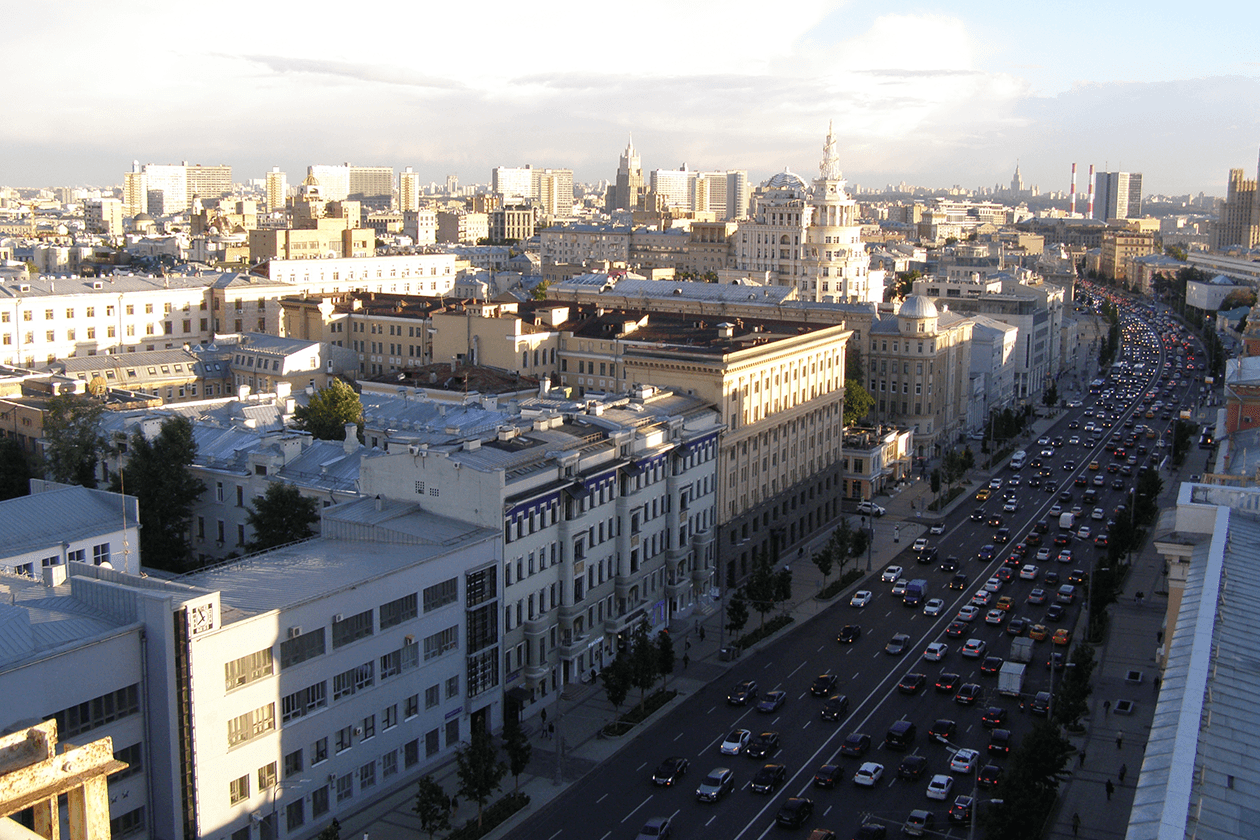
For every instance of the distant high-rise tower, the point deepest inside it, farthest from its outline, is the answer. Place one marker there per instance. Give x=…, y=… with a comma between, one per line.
x=372, y=186
x=737, y=194
x=674, y=186
x=1118, y=195
x=334, y=181
x=408, y=191
x=1017, y=182
x=277, y=189
x=627, y=193
x=1239, y=220
x=135, y=191
x=513, y=184
x=452, y=185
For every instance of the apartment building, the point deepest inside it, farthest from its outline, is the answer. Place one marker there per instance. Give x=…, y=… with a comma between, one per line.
x=1120, y=248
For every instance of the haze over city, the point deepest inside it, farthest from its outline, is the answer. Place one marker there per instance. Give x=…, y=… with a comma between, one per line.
x=935, y=94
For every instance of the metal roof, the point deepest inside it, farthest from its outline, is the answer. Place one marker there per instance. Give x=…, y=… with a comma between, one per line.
x=63, y=514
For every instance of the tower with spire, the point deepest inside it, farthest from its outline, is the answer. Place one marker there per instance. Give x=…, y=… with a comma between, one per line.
x=836, y=262
x=627, y=192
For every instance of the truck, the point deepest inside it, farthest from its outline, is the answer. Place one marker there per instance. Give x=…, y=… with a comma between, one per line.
x=1018, y=459
x=1021, y=649
x=916, y=591
x=1011, y=678
x=1067, y=521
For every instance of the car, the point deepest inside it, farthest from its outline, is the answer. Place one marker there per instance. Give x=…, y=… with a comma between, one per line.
x=986, y=553
x=919, y=823
x=1005, y=574
x=769, y=777
x=657, y=828
x=869, y=830
x=956, y=628
x=892, y=574
x=1004, y=603
x=968, y=613
x=736, y=742
x=937, y=528
x=1043, y=441
x=794, y=812
x=989, y=776
x=958, y=581
x=742, y=694
x=1056, y=661
x=1055, y=612
x=869, y=774
x=1037, y=596
x=870, y=509
x=719, y=782
x=670, y=771
x=1077, y=576
x=1099, y=480
x=964, y=761
x=899, y=588
x=1101, y=541
x=1010, y=506
x=940, y=786
x=936, y=651
x=1084, y=532
x=968, y=694
x=1118, y=484
x=763, y=746
x=897, y=644
x=1062, y=636
x=960, y=810
x=974, y=648
x=1000, y=742
x=978, y=515
x=823, y=685
x=1098, y=514
x=1028, y=572
x=943, y=730
x=827, y=776
x=1002, y=536
x=849, y=634
x=911, y=683
x=1056, y=509
x=1016, y=626
x=929, y=555
x=1044, y=553
x=947, y=682
x=1063, y=538
x=950, y=564
x=920, y=544
x=1040, y=704
x=772, y=701
x=981, y=598
x=983, y=494
x=1017, y=553
x=1038, y=632
x=933, y=606
x=1051, y=576
x=836, y=707
x=991, y=665
x=995, y=483
x=912, y=767
x=994, y=616
x=860, y=598
x=993, y=717
x=856, y=745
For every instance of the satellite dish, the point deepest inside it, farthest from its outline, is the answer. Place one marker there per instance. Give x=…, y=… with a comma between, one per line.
x=105, y=564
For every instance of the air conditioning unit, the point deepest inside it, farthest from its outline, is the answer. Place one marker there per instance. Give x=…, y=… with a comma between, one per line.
x=336, y=618
x=294, y=632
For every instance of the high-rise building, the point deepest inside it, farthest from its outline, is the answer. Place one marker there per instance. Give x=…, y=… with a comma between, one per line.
x=736, y=194
x=553, y=191
x=1118, y=195
x=372, y=186
x=167, y=188
x=135, y=191
x=408, y=191
x=277, y=189
x=208, y=182
x=103, y=216
x=627, y=191
x=1238, y=223
x=334, y=181
x=674, y=187
x=513, y=184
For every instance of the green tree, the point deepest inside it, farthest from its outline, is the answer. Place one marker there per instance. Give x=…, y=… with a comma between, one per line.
x=1074, y=689
x=518, y=749
x=968, y=458
x=329, y=410
x=903, y=286
x=616, y=679
x=15, y=470
x=665, y=654
x=280, y=516
x=1051, y=396
x=479, y=770
x=644, y=661
x=1146, y=499
x=936, y=480
x=763, y=589
x=539, y=292
x=1183, y=432
x=1032, y=780
x=433, y=807
x=858, y=543
x=72, y=438
x=834, y=551
x=332, y=831
x=157, y=474
x=736, y=612
x=858, y=401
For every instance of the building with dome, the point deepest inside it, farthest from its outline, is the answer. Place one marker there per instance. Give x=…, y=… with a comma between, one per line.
x=918, y=370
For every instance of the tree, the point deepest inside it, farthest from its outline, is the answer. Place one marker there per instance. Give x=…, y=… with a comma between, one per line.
x=479, y=769
x=15, y=470
x=644, y=661
x=332, y=831
x=280, y=516
x=157, y=474
x=1033, y=776
x=834, y=551
x=1073, y=694
x=539, y=292
x=1146, y=499
x=616, y=679
x=903, y=286
x=665, y=654
x=517, y=747
x=433, y=807
x=329, y=410
x=72, y=438
x=736, y=612
x=936, y=480
x=858, y=402
x=763, y=589
x=1051, y=397
x=1183, y=430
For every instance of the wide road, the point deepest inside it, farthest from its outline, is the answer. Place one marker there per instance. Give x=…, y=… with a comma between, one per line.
x=617, y=799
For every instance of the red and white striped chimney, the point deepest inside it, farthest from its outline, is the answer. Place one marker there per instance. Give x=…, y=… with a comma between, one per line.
x=1072, y=202
x=1090, y=213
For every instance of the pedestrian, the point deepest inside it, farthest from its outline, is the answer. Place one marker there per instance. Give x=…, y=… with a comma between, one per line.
x=1159, y=636
x=1076, y=824
x=551, y=730
x=686, y=661
x=542, y=716
x=1124, y=771
x=1080, y=759
x=687, y=644
x=1106, y=707
x=1119, y=740
x=702, y=632
x=1110, y=789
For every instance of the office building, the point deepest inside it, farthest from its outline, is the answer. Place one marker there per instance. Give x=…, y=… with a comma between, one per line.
x=1238, y=222
x=135, y=191
x=553, y=192
x=1118, y=195
x=675, y=187
x=166, y=188
x=277, y=189
x=334, y=181
x=103, y=216
x=209, y=183
x=513, y=184
x=408, y=191
x=372, y=186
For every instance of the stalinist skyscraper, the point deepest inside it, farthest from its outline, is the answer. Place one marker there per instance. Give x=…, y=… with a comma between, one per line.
x=835, y=256
x=628, y=192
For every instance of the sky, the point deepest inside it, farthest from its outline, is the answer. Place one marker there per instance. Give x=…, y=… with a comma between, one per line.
x=927, y=93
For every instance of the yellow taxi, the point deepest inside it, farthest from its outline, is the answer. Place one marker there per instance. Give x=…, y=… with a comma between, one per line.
x=983, y=494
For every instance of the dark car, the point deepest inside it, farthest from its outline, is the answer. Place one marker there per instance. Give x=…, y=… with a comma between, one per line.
x=871, y=831
x=823, y=685
x=912, y=683
x=930, y=555
x=977, y=515
x=958, y=581
x=772, y=701
x=897, y=644
x=764, y=745
x=1040, y=704
x=943, y=730
x=950, y=564
x=968, y=694
x=849, y=634
x=827, y=776
x=1055, y=612
x=795, y=812
x=956, y=628
x=960, y=811
x=1000, y=741
x=856, y=745
x=947, y=682
x=993, y=717
x=1002, y=535
x=986, y=553
x=670, y=771
x=989, y=776
x=836, y=707
x=717, y=784
x=768, y=778
x=991, y=665
x=1016, y=626
x=743, y=694
x=912, y=767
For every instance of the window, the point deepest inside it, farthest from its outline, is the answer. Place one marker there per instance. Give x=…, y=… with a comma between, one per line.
x=295, y=814
x=127, y=824
x=301, y=703
x=441, y=642
x=441, y=594
x=389, y=763
x=99, y=711
x=319, y=801
x=403, y=609
x=266, y=776
x=432, y=696
x=345, y=738
x=247, y=669
x=319, y=751
x=100, y=554
x=389, y=717
x=369, y=727
x=452, y=687
x=238, y=789
x=412, y=707
x=302, y=647
x=134, y=758
x=247, y=727
x=351, y=629
x=452, y=732
x=411, y=753
x=218, y=491
x=367, y=775
x=432, y=743
x=356, y=679
x=345, y=787
x=293, y=763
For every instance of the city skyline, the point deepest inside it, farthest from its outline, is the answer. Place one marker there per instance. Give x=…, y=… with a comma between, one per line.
x=934, y=95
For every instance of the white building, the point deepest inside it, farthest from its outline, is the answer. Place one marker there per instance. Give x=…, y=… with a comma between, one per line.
x=277, y=189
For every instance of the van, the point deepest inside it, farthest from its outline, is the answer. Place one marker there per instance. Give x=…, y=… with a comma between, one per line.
x=901, y=736
x=1066, y=594
x=916, y=591
x=1018, y=459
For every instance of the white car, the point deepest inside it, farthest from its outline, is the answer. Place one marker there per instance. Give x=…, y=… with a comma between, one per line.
x=964, y=761
x=1011, y=506
x=1015, y=480
x=995, y=484
x=868, y=774
x=940, y=786
x=860, y=598
x=1043, y=553
x=899, y=588
x=974, y=649
x=934, y=606
x=1084, y=532
x=1028, y=572
x=734, y=743
x=968, y=613
x=1098, y=514
x=892, y=574
x=1074, y=404
x=994, y=616
x=870, y=508
x=936, y=651
x=993, y=584
x=937, y=528
x=920, y=544
x=981, y=598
